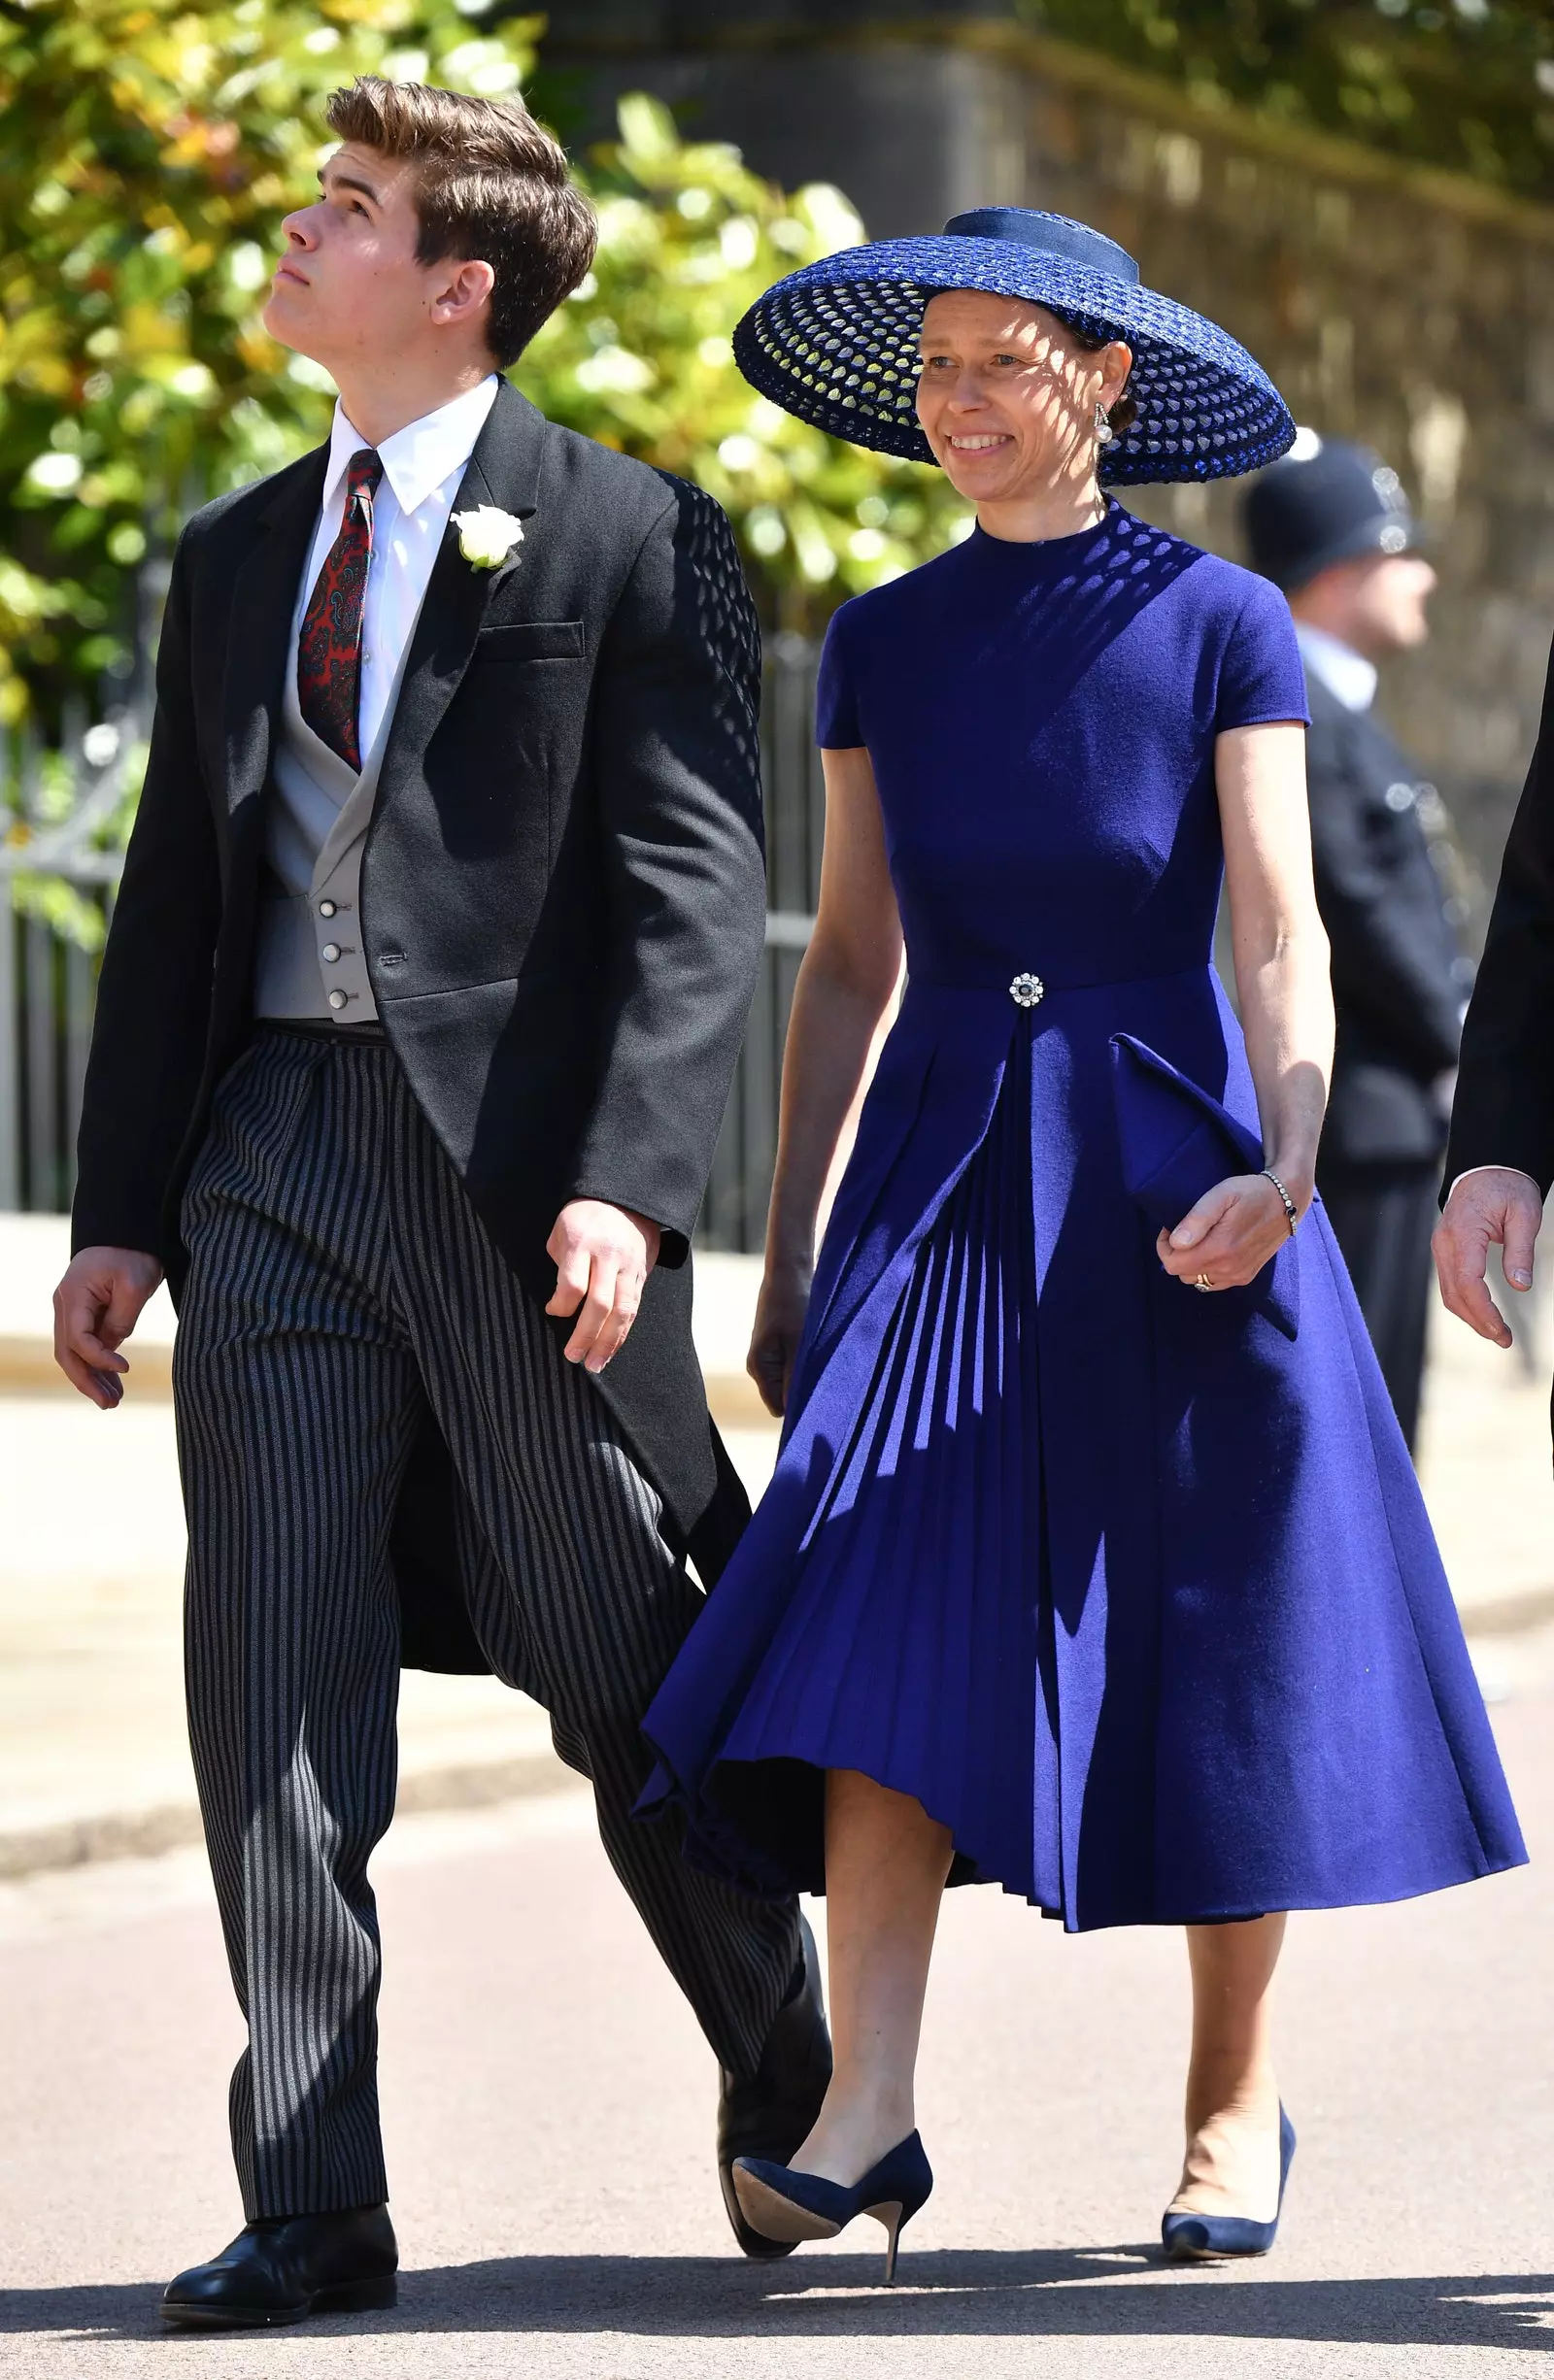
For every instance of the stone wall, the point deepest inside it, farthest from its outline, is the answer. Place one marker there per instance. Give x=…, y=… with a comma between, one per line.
x=1411, y=310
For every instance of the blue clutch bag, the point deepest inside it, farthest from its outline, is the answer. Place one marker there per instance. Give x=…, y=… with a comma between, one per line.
x=1176, y=1142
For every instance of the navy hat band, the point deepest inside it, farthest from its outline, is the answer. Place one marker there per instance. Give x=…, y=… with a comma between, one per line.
x=1052, y=235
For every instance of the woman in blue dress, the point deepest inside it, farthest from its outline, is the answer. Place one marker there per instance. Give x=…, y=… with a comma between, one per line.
x=1093, y=1563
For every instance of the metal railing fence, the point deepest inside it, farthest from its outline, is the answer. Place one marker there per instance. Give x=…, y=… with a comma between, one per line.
x=62, y=813
x=59, y=865
x=734, y=1216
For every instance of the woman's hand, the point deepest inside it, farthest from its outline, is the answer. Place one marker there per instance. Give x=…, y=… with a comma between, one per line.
x=1234, y=1229
x=780, y=1312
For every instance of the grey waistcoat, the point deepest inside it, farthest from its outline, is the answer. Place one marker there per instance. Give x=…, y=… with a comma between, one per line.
x=309, y=960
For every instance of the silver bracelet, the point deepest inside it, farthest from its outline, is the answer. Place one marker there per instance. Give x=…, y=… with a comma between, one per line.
x=1292, y=1213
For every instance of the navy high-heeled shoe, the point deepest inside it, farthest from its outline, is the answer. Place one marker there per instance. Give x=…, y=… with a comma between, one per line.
x=787, y=2205
x=1193, y=2235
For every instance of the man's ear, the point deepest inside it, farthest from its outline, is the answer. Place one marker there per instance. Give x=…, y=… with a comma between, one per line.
x=464, y=291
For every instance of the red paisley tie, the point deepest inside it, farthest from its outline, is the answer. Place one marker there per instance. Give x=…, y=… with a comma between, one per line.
x=329, y=648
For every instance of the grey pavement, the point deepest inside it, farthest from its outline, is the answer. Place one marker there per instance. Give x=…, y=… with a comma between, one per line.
x=547, y=2110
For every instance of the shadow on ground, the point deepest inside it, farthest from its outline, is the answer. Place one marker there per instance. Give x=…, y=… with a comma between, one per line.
x=1116, y=2293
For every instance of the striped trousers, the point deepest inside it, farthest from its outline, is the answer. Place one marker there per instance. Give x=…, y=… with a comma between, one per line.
x=341, y=1282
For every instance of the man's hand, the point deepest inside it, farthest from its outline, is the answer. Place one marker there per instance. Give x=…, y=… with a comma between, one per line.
x=96, y=1306
x=1495, y=1203
x=602, y=1255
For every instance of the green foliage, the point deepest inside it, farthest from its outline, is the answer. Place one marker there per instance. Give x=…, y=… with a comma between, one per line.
x=148, y=151
x=641, y=359
x=1467, y=84
x=70, y=915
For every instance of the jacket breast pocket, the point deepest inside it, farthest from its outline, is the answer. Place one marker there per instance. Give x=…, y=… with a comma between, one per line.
x=532, y=640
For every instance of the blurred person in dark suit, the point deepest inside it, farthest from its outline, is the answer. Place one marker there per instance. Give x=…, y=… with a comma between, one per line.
x=1331, y=526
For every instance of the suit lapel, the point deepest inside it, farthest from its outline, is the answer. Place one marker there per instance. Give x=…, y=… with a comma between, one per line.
x=504, y=470
x=264, y=598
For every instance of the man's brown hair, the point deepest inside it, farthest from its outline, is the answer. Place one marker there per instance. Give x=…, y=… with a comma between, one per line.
x=490, y=182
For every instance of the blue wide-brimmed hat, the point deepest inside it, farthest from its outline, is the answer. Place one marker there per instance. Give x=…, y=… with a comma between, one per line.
x=836, y=342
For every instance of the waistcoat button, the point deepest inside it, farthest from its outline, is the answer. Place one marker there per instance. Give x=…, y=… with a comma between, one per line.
x=337, y=1000
x=326, y=909
x=331, y=951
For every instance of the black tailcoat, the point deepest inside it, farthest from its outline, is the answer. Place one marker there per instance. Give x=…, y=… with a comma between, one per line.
x=563, y=903
x=1395, y=960
x=1504, y=1112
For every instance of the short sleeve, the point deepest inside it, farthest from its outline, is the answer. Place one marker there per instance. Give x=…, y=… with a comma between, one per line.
x=837, y=727
x=1262, y=677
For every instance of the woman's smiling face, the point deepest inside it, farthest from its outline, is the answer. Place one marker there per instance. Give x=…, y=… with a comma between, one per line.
x=1006, y=395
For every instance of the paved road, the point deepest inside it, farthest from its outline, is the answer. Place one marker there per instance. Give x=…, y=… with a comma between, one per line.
x=548, y=2112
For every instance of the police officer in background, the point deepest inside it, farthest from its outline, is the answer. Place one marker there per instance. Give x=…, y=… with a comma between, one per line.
x=1331, y=526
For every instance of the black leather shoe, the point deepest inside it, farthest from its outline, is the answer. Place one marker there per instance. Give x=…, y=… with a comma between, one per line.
x=287, y=2267
x=777, y=2105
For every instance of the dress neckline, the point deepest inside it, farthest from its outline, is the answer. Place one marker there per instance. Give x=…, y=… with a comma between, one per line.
x=1058, y=553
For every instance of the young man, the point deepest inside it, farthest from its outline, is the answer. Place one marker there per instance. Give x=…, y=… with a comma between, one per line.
x=1330, y=525
x=425, y=984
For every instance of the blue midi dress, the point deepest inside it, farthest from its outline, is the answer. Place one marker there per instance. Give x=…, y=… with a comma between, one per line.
x=1133, y=1588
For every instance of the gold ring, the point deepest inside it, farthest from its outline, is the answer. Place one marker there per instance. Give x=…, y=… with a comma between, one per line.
x=1202, y=1282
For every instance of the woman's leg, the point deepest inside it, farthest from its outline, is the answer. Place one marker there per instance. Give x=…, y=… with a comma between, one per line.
x=886, y=1862
x=1233, y=2099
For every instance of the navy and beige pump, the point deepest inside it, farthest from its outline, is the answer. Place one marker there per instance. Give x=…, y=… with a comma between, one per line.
x=1188, y=2236
x=787, y=2205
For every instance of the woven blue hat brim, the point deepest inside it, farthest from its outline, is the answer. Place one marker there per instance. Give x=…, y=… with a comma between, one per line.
x=836, y=344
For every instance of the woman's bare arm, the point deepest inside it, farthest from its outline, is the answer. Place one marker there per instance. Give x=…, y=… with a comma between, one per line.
x=1286, y=997
x=843, y=1003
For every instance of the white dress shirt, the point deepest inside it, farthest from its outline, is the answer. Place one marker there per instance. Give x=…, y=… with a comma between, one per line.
x=423, y=465
x=1349, y=678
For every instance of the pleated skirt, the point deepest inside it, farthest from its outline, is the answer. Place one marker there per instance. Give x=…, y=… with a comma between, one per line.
x=1134, y=1595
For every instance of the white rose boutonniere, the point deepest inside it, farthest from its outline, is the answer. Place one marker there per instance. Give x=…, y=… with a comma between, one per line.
x=488, y=536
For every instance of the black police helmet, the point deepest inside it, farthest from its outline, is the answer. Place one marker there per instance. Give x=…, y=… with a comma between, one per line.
x=1324, y=502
